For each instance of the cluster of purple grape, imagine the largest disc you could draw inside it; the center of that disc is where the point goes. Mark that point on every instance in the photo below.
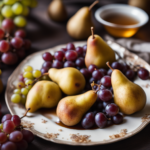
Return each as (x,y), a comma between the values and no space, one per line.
(12,135)
(12,48)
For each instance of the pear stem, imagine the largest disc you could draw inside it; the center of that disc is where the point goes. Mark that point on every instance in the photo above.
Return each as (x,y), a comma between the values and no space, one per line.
(92,31)
(25,113)
(92,85)
(109,66)
(93,4)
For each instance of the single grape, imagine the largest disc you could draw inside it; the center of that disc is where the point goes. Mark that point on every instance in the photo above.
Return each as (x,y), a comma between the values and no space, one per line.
(45,77)
(20,33)
(24,91)
(4,46)
(92,68)
(44,70)
(57,64)
(70,46)
(15,136)
(2,34)
(17,42)
(25,11)
(69,64)
(125,68)
(16,120)
(63,50)
(15,98)
(22,145)
(28,75)
(71,55)
(21,53)
(88,121)
(28,68)
(117,65)
(9,146)
(84,48)
(17,91)
(20,21)
(3,137)
(106,81)
(17,8)
(20,85)
(27,136)
(143,74)
(8,25)
(7,11)
(80,62)
(117,119)
(108,102)
(105,95)
(79,50)
(47,64)
(100,120)
(6,117)
(112,109)
(85,73)
(26,44)
(130,74)
(104,71)
(97,75)
(109,72)
(59,55)
(9,2)
(23,98)
(36,73)
(28,82)
(47,56)
(8,126)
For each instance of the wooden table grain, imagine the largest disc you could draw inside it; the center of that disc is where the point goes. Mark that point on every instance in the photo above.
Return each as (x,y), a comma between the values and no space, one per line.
(45,33)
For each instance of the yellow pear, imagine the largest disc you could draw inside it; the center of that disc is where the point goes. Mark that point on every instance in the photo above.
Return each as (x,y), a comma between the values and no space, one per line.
(44,94)
(57,11)
(71,109)
(129,96)
(98,52)
(70,80)
(79,24)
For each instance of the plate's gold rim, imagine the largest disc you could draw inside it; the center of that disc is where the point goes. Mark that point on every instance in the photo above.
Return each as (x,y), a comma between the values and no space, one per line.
(41,135)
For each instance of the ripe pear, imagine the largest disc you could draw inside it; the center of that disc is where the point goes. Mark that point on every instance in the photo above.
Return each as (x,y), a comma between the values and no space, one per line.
(129,96)
(57,11)
(44,94)
(79,24)
(70,80)
(71,109)
(98,52)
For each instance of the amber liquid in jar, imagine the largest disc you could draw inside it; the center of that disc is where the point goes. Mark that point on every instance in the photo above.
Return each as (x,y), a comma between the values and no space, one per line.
(123,20)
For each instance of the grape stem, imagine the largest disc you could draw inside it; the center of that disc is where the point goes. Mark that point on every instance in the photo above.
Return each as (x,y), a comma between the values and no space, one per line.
(93,4)
(109,66)
(25,113)
(92,31)
(92,85)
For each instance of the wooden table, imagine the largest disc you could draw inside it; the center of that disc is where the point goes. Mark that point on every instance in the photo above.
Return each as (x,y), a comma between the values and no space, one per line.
(45,33)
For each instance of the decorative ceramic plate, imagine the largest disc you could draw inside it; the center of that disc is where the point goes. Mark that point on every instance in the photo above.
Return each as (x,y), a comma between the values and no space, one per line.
(43,123)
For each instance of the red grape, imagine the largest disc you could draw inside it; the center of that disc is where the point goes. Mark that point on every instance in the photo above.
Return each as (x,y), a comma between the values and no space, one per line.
(21,78)
(92,68)
(91,80)
(47,56)
(27,136)
(106,81)
(26,44)
(15,136)
(100,120)
(125,68)
(85,73)
(2,34)
(8,25)
(17,42)
(117,119)
(59,55)
(47,64)
(20,33)
(57,64)
(108,102)
(44,70)
(3,137)
(104,71)
(4,46)
(112,109)
(70,46)
(21,53)
(80,62)
(8,126)
(69,64)
(84,48)
(6,117)
(130,74)
(63,49)
(105,95)
(16,120)
(22,145)
(117,65)
(71,55)
(97,75)
(79,50)
(143,74)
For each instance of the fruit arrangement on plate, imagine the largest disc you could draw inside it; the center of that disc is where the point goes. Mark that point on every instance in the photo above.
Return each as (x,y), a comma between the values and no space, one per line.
(87,85)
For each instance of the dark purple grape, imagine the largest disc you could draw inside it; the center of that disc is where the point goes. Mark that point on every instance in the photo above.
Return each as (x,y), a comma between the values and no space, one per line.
(91,80)
(9,146)
(92,68)
(80,62)
(70,46)
(97,75)
(59,55)
(106,81)
(130,74)
(6,117)
(44,70)
(16,120)
(79,50)
(57,64)
(112,109)
(8,25)
(15,136)
(117,119)
(85,73)
(143,74)
(22,145)
(47,64)
(105,95)
(69,64)
(20,33)
(28,136)
(104,71)
(21,78)
(47,56)
(71,55)
(84,48)
(88,121)
(64,49)
(108,102)
(109,72)
(100,120)
(125,68)
(117,65)
(16,42)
